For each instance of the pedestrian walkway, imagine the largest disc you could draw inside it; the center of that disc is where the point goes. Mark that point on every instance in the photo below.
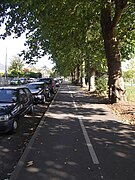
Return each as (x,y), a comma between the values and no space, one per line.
(67,144)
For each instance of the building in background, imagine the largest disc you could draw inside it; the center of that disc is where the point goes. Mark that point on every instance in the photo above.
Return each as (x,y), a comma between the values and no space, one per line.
(2,69)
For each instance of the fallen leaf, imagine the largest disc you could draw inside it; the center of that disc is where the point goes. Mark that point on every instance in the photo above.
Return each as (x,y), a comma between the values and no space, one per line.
(30,163)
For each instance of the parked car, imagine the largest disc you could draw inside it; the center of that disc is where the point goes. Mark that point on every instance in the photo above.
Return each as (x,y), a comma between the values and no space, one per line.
(23,80)
(40,91)
(57,83)
(15,101)
(30,80)
(15,81)
(51,84)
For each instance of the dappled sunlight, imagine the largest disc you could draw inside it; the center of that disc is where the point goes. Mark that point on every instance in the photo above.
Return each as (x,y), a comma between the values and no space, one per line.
(33,169)
(68,92)
(52,166)
(113,136)
(60,147)
(61,116)
(60,159)
(12,145)
(63,150)
(99,127)
(121,154)
(5,150)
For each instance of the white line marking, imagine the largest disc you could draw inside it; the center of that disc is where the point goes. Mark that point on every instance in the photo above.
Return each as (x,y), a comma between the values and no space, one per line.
(71,95)
(74,104)
(88,142)
(90,147)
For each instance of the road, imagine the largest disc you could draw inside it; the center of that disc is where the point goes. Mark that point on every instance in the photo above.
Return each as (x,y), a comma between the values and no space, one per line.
(12,146)
(79,139)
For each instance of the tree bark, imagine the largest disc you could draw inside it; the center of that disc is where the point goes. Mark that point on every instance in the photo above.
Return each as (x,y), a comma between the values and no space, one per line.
(83,74)
(111,48)
(78,74)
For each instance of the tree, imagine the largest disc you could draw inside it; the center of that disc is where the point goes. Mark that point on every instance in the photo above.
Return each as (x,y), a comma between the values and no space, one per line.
(15,68)
(33,75)
(109,22)
(74,32)
(130,73)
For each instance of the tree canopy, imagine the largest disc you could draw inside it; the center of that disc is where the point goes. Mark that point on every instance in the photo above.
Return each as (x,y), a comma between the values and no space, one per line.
(74,31)
(15,68)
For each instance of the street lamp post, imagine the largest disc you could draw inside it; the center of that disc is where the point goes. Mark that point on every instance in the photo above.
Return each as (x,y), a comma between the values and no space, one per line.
(6,65)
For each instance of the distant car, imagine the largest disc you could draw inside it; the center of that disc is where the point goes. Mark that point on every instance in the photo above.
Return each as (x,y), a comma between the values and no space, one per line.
(14,102)
(40,91)
(15,81)
(51,84)
(31,80)
(23,80)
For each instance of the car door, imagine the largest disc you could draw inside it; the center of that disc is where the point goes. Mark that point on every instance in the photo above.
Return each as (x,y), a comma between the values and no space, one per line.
(23,99)
(29,96)
(47,91)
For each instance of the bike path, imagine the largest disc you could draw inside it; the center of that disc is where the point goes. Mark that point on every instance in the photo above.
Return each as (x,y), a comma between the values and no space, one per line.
(76,140)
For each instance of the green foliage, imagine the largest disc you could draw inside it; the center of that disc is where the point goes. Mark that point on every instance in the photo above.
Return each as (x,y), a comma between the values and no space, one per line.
(15,73)
(130,73)
(126,32)
(15,68)
(63,29)
(33,75)
(101,86)
(130,93)
(68,30)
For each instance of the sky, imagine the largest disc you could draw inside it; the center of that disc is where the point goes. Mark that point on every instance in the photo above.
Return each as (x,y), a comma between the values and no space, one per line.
(14,46)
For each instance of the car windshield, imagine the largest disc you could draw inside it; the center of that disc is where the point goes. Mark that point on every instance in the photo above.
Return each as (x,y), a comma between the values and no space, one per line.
(35,86)
(8,95)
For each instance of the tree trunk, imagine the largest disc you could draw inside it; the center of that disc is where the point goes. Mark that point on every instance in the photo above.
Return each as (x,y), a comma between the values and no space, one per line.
(83,74)
(89,78)
(72,77)
(112,54)
(78,74)
(93,80)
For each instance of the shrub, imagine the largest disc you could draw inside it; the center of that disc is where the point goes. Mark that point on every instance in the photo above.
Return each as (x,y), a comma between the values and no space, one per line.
(101,86)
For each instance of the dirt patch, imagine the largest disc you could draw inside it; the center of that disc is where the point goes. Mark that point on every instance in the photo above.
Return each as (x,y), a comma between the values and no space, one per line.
(125,110)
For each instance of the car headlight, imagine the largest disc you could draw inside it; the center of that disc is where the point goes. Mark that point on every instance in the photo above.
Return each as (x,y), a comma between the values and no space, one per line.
(4,118)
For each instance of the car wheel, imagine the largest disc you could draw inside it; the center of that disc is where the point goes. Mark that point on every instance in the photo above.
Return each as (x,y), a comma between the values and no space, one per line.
(14,126)
(31,110)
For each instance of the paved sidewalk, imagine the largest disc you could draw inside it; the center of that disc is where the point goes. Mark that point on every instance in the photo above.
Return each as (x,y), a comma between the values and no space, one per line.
(61,149)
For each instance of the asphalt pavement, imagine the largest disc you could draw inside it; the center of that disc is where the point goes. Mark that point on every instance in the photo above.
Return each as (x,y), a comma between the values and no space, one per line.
(78,139)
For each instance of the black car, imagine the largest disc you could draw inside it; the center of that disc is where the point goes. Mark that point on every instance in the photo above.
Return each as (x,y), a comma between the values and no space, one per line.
(57,83)
(23,80)
(51,84)
(40,91)
(14,102)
